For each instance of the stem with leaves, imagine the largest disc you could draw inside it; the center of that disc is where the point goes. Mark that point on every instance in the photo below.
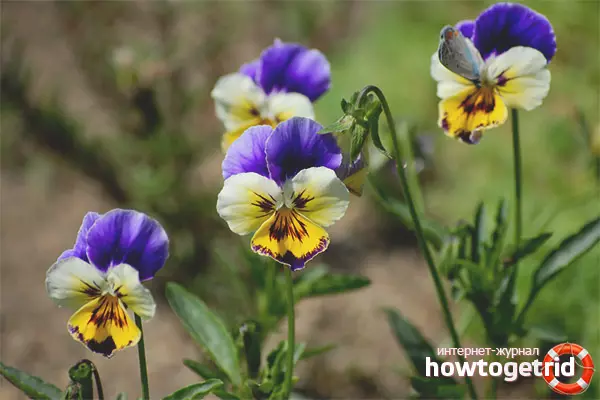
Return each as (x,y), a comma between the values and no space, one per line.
(289,371)
(417,224)
(142,360)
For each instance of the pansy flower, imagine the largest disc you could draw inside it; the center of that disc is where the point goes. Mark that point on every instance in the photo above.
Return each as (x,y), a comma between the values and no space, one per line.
(281,84)
(100,278)
(509,45)
(281,185)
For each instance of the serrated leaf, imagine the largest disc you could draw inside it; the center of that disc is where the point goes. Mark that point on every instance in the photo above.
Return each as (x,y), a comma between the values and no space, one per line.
(342,125)
(195,391)
(529,246)
(568,251)
(206,328)
(204,371)
(32,386)
(334,284)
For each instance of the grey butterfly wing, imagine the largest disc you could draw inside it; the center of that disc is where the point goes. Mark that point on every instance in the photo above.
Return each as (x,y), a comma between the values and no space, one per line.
(458,55)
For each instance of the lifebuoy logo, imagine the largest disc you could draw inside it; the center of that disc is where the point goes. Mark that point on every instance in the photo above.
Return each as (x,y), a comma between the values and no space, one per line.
(586,363)
(550,369)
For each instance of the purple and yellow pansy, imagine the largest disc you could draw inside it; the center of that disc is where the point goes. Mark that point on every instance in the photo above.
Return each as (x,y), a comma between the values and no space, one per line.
(281,185)
(281,84)
(101,278)
(514,44)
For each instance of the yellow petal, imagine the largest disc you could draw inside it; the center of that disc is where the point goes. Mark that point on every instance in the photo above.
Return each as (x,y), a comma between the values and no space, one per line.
(356,181)
(233,135)
(104,326)
(471,111)
(290,238)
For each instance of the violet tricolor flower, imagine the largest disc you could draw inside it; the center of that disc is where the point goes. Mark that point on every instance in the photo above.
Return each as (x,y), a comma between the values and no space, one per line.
(511,46)
(279,85)
(101,276)
(280,184)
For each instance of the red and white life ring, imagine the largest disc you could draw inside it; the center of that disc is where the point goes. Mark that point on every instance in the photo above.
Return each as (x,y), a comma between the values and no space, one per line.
(588,369)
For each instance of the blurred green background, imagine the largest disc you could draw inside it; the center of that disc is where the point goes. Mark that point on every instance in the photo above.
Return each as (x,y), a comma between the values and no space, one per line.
(106,104)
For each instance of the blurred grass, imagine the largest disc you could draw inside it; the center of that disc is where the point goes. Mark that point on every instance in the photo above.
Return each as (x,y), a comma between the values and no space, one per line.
(560,192)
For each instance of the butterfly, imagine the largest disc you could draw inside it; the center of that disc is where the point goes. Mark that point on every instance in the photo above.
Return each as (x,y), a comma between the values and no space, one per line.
(459,55)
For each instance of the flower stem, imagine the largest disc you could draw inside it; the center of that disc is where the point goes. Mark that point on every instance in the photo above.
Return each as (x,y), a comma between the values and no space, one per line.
(417,225)
(518,177)
(291,347)
(142,359)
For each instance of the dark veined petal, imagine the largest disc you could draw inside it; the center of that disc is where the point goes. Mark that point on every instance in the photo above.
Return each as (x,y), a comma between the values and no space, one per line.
(295,145)
(79,250)
(506,25)
(128,237)
(291,67)
(247,154)
(466,27)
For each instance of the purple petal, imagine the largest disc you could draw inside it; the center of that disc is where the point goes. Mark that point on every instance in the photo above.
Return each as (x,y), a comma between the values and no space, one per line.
(251,69)
(79,250)
(128,237)
(291,67)
(247,153)
(295,145)
(505,25)
(466,27)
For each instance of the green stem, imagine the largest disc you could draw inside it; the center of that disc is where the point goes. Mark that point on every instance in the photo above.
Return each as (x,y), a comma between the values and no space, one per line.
(418,228)
(142,359)
(291,347)
(518,175)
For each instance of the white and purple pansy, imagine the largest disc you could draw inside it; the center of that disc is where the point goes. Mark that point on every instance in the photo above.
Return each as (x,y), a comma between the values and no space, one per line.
(101,278)
(281,84)
(281,185)
(513,45)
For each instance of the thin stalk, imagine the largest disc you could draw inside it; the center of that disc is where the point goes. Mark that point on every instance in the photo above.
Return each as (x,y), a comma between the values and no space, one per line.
(142,360)
(418,228)
(291,347)
(518,176)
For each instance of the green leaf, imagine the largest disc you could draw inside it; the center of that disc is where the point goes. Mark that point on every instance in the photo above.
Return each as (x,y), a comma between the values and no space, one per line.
(252,339)
(335,283)
(32,386)
(529,246)
(121,396)
(498,236)
(408,336)
(342,125)
(550,334)
(195,391)
(316,351)
(359,137)
(206,328)
(204,371)
(478,234)
(568,251)
(433,231)
(223,395)
(308,277)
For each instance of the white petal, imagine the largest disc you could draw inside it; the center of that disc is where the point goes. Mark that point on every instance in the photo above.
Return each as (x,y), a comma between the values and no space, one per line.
(524,79)
(449,83)
(318,194)
(247,200)
(284,106)
(72,282)
(238,100)
(125,281)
